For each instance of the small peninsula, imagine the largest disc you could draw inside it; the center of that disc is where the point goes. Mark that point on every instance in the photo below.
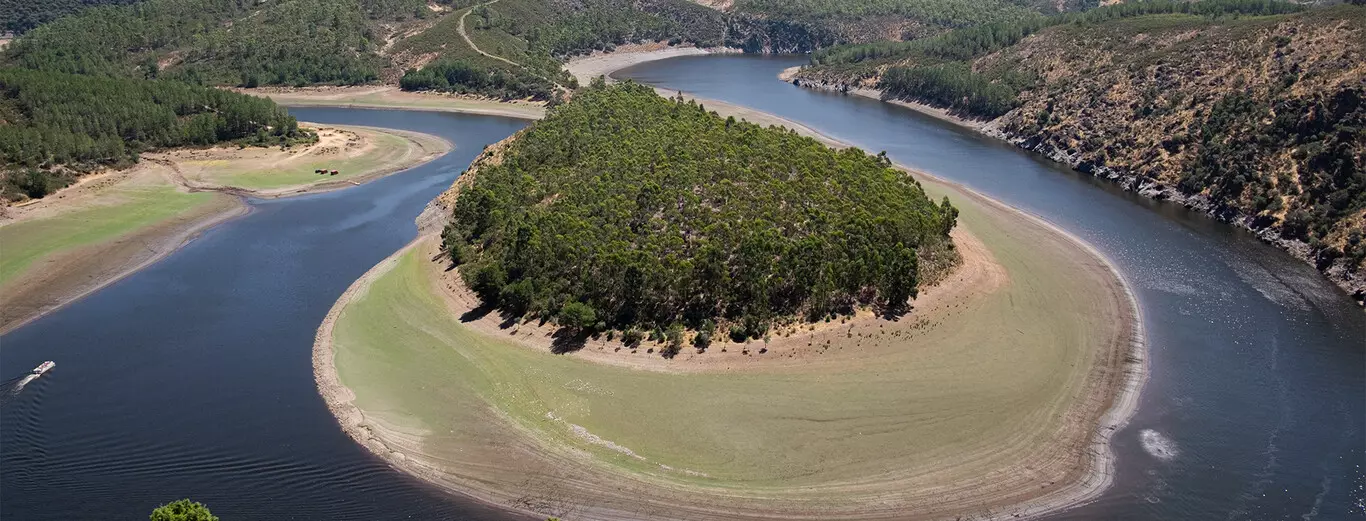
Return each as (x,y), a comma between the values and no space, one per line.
(1018,355)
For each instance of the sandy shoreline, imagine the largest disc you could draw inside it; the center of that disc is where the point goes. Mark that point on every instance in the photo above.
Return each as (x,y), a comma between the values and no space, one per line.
(390,97)
(1127,356)
(423,149)
(99,266)
(67,276)
(337,396)
(586,68)
(789,74)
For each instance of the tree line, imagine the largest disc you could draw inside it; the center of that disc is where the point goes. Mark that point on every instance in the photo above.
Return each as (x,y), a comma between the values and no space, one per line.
(624,210)
(953,85)
(464,76)
(81,123)
(945,13)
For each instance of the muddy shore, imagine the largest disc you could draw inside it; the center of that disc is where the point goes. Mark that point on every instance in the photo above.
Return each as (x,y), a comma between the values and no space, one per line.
(1115,389)
(69,274)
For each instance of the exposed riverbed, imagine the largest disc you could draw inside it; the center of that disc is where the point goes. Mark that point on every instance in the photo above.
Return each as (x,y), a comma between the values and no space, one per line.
(1257,370)
(193,377)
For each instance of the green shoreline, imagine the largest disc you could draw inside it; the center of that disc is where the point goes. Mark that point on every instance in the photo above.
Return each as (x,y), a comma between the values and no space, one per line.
(78,247)
(389,398)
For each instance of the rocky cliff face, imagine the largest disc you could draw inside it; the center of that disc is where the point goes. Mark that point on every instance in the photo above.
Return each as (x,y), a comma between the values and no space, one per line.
(1258,122)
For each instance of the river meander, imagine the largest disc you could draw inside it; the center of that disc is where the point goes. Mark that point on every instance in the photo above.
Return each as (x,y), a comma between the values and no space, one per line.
(192,378)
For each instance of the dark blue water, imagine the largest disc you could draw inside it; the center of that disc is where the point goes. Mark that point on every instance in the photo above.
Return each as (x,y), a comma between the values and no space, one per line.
(193,377)
(1258,363)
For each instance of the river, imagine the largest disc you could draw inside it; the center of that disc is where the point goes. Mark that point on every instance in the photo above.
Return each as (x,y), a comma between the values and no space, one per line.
(192,378)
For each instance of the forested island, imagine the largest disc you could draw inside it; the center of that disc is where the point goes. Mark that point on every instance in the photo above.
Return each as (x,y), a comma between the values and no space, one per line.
(623,210)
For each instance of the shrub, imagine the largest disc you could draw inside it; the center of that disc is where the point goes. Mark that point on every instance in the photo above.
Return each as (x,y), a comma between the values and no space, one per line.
(577,316)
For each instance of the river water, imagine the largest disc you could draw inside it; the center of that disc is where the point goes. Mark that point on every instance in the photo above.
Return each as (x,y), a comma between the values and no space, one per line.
(193,377)
(1256,404)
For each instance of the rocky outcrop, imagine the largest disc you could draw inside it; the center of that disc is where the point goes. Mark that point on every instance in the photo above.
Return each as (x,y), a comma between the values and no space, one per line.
(1258,122)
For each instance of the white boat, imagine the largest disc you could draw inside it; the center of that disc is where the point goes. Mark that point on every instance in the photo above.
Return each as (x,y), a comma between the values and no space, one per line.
(44,367)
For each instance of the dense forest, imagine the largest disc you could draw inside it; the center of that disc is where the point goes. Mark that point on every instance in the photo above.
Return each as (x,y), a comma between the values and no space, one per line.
(288,42)
(467,77)
(346,42)
(305,42)
(54,126)
(17,16)
(601,217)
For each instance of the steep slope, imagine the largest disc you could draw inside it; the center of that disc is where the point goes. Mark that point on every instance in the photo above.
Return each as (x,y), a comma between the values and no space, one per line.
(1260,122)
(812,25)
(1256,120)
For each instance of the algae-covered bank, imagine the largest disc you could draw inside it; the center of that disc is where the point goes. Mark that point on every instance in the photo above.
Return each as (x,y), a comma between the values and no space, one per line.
(995,395)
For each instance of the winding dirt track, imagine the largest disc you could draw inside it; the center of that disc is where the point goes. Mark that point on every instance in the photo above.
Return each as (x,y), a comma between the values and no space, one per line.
(476,48)
(470,42)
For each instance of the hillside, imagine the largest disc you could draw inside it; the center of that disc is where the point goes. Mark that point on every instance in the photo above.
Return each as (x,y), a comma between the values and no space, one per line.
(600,217)
(498,48)
(1256,120)
(55,127)
(17,16)
(507,48)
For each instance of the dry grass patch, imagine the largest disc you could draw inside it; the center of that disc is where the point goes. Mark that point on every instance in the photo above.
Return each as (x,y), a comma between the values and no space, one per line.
(986,397)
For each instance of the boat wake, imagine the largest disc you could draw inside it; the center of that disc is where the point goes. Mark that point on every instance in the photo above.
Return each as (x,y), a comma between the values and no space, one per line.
(11,388)
(14,386)
(1157,445)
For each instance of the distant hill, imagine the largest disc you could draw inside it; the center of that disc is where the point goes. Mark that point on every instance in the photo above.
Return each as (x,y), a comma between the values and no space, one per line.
(518,45)
(1252,111)
(306,42)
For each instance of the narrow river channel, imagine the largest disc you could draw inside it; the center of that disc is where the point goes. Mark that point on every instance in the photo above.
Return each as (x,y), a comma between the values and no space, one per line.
(192,378)
(1257,399)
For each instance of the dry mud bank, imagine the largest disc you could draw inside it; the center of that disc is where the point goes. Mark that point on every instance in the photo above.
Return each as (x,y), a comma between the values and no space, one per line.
(995,397)
(390,97)
(997,394)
